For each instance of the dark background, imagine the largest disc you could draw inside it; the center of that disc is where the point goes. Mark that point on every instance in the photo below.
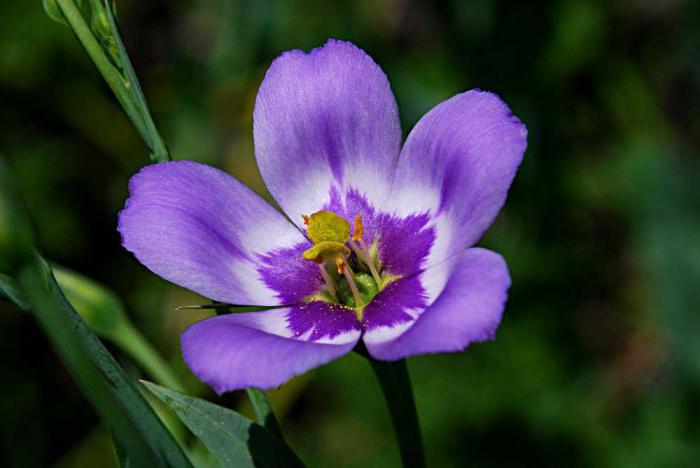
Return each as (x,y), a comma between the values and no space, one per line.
(597,361)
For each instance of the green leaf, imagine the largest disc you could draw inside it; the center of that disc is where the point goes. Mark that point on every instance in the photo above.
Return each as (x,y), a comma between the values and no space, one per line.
(13,292)
(105,314)
(95,26)
(233,439)
(139,435)
(54,11)
(263,411)
(16,234)
(98,306)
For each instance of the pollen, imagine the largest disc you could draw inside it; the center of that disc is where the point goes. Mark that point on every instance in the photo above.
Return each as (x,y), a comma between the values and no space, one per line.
(359,230)
(340,263)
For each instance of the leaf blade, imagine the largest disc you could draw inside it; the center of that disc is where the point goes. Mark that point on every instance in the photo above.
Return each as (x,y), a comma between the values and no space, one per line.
(137,430)
(233,439)
(11,290)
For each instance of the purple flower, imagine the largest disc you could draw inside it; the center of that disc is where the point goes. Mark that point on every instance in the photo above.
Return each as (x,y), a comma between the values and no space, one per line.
(378,241)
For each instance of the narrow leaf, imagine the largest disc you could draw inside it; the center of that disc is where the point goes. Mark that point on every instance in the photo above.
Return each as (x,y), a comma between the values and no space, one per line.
(10,289)
(54,11)
(263,411)
(139,435)
(233,439)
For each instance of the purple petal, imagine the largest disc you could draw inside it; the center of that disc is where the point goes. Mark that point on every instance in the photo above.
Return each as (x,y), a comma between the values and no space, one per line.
(293,278)
(199,228)
(468,310)
(458,163)
(324,119)
(397,306)
(265,349)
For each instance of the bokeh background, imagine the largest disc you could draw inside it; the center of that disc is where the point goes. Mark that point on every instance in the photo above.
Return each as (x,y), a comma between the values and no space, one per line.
(597,361)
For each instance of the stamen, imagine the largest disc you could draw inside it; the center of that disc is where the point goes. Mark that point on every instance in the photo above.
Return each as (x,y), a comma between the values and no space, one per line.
(359,248)
(357,232)
(340,263)
(344,269)
(306,219)
(329,282)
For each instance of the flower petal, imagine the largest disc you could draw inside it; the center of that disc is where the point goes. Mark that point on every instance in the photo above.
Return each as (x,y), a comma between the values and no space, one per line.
(265,349)
(323,119)
(201,229)
(458,163)
(468,310)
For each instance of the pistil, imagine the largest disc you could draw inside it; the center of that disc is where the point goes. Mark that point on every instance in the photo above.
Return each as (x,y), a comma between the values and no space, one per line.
(345,270)
(361,251)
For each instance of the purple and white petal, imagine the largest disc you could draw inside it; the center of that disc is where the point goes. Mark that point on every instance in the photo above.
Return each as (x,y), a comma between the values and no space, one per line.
(457,164)
(325,119)
(467,310)
(201,229)
(265,349)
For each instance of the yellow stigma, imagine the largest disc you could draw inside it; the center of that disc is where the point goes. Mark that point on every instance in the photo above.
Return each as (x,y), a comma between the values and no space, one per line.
(324,251)
(326,226)
(329,233)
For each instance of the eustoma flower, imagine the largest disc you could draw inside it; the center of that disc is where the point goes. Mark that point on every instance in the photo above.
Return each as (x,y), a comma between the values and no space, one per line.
(377,244)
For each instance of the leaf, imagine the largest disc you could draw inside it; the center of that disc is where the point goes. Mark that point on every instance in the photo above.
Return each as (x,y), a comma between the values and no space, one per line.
(233,439)
(263,411)
(54,11)
(13,292)
(139,435)
(98,306)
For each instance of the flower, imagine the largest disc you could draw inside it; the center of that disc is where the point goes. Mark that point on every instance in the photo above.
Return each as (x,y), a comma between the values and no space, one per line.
(404,278)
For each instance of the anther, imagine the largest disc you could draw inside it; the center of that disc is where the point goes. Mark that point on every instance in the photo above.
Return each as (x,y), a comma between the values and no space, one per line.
(340,263)
(358,246)
(357,232)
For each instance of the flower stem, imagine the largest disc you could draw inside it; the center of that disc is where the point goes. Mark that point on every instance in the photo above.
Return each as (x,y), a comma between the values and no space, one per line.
(123,82)
(132,342)
(396,386)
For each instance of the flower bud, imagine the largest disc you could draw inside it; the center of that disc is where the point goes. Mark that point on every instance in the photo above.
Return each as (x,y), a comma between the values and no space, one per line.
(97,305)
(54,11)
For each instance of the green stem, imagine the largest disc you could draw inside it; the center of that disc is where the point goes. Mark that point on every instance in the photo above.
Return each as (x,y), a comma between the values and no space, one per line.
(131,341)
(398,394)
(126,89)
(159,149)
(263,411)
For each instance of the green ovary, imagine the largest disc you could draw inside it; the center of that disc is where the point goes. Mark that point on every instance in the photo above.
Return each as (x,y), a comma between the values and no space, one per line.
(365,284)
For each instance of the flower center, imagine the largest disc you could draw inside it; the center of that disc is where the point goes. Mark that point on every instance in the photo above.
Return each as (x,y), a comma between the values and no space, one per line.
(348,266)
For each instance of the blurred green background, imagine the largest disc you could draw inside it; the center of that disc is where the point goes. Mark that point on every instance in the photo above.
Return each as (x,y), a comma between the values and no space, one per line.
(597,361)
